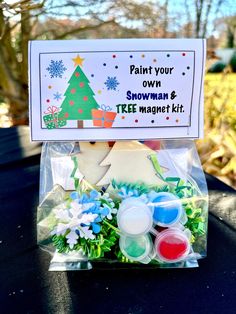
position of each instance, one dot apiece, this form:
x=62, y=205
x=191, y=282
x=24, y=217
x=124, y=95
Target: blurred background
x=21, y=21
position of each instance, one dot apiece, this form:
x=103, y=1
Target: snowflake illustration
x=56, y=68
x=111, y=83
x=57, y=96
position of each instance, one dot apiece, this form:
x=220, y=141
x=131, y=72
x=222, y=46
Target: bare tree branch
x=85, y=28
x=199, y=9
x=205, y=22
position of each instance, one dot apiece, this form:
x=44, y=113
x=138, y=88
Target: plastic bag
x=125, y=203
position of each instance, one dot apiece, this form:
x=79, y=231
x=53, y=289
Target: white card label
x=116, y=89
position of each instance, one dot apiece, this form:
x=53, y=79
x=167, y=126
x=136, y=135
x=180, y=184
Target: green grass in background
x=218, y=148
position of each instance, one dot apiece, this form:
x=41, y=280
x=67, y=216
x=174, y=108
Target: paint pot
x=134, y=217
x=167, y=209
x=172, y=245
x=138, y=249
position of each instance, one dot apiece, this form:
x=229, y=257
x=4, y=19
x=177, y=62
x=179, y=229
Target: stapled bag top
x=116, y=89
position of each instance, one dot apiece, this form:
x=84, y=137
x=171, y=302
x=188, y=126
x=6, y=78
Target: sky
x=227, y=8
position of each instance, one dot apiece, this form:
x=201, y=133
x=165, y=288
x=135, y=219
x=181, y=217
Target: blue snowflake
x=56, y=68
x=101, y=209
x=111, y=83
x=57, y=96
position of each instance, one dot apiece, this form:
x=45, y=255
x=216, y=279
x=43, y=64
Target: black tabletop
x=26, y=285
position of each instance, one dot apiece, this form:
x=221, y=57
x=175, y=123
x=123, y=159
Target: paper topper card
x=116, y=89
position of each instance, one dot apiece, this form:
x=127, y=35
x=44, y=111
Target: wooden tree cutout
x=89, y=160
x=130, y=162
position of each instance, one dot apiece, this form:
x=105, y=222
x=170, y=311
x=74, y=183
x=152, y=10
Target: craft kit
x=121, y=183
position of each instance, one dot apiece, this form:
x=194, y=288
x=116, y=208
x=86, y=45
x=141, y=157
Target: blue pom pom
x=94, y=194
x=96, y=228
x=74, y=195
x=98, y=219
x=105, y=211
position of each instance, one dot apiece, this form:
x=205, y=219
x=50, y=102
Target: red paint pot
x=172, y=245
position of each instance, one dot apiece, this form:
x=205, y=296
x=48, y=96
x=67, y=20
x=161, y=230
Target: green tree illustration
x=79, y=98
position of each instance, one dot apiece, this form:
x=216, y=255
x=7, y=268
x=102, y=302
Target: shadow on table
x=207, y=289
x=19, y=184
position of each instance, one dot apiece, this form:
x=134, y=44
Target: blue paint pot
x=167, y=209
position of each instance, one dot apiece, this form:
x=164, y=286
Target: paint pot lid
x=167, y=209
x=134, y=218
x=137, y=248
x=172, y=245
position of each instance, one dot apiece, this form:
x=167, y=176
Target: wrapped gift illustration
x=103, y=117
x=52, y=119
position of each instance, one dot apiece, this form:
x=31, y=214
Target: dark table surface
x=26, y=286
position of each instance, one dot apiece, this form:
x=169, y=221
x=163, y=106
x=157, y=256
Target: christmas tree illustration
x=130, y=162
x=79, y=97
